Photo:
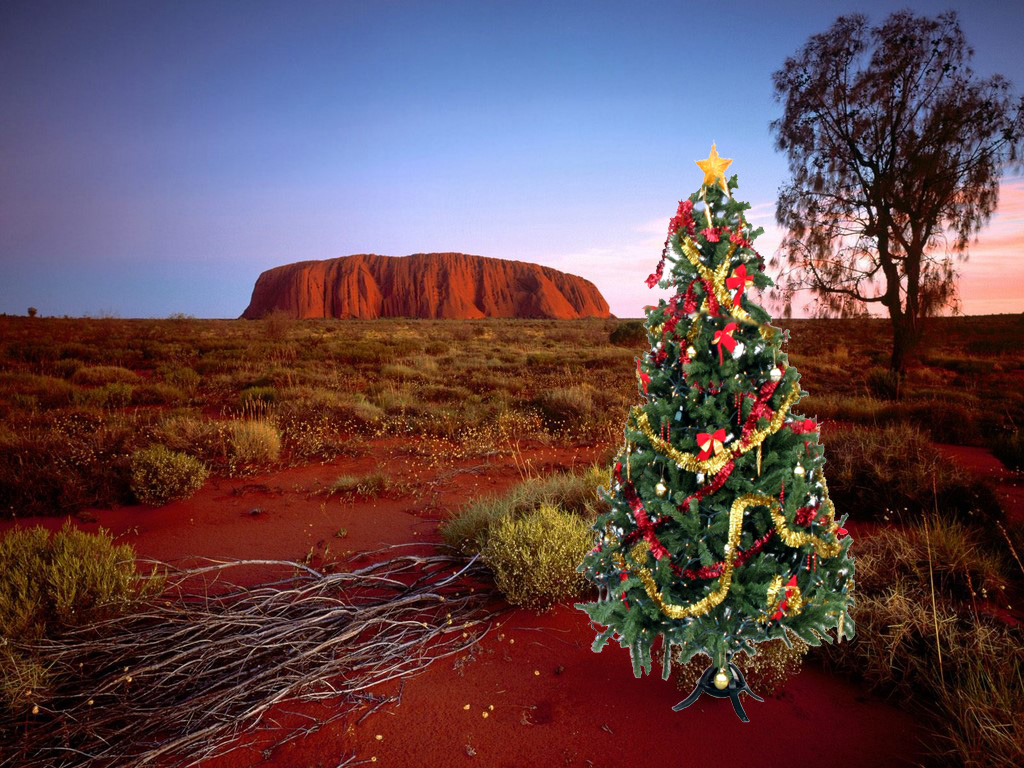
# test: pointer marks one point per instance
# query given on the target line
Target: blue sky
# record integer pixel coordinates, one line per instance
(156, 157)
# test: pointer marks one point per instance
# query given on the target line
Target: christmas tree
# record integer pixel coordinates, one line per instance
(720, 532)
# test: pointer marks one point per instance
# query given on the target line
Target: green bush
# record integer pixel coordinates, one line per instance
(875, 472)
(160, 475)
(469, 529)
(566, 407)
(260, 394)
(534, 557)
(883, 383)
(631, 333)
(252, 443)
(97, 375)
(370, 486)
(157, 393)
(49, 583)
(116, 394)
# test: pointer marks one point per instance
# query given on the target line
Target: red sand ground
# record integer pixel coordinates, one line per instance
(554, 701)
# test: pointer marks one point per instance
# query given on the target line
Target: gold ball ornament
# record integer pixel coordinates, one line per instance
(775, 373)
(660, 489)
(799, 470)
(721, 680)
(691, 352)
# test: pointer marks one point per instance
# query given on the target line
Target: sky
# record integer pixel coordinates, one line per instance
(156, 157)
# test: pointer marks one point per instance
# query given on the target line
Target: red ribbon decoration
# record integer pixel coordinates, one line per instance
(723, 338)
(739, 282)
(714, 571)
(799, 427)
(710, 444)
(644, 523)
(644, 378)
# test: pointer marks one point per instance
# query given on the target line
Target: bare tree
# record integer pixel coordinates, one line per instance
(896, 150)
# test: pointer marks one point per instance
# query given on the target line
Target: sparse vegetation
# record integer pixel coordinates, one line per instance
(534, 556)
(955, 662)
(469, 530)
(252, 444)
(49, 583)
(160, 475)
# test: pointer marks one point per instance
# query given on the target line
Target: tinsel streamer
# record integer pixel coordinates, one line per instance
(644, 524)
(822, 546)
(715, 570)
(690, 462)
(705, 604)
(689, 301)
(712, 487)
(712, 300)
(721, 294)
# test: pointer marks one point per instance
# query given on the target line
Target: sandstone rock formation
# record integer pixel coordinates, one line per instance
(429, 285)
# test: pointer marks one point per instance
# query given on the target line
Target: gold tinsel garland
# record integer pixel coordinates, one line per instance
(705, 604)
(716, 279)
(711, 466)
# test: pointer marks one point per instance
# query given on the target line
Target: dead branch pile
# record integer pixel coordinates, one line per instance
(183, 677)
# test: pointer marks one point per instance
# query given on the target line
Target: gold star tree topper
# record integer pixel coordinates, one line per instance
(714, 169)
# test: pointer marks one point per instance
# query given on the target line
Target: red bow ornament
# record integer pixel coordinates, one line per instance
(710, 444)
(739, 282)
(644, 378)
(782, 605)
(723, 338)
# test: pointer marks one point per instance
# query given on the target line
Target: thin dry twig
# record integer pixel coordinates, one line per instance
(181, 678)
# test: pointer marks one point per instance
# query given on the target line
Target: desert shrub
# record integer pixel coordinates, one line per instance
(946, 422)
(49, 583)
(189, 433)
(160, 475)
(397, 401)
(469, 530)
(277, 324)
(185, 379)
(252, 443)
(116, 394)
(65, 368)
(46, 391)
(566, 408)
(534, 557)
(404, 372)
(443, 393)
(63, 461)
(260, 394)
(97, 375)
(1009, 449)
(962, 668)
(157, 393)
(631, 333)
(879, 471)
(359, 411)
(883, 383)
(369, 486)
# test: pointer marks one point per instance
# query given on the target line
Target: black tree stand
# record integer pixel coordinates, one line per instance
(706, 684)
